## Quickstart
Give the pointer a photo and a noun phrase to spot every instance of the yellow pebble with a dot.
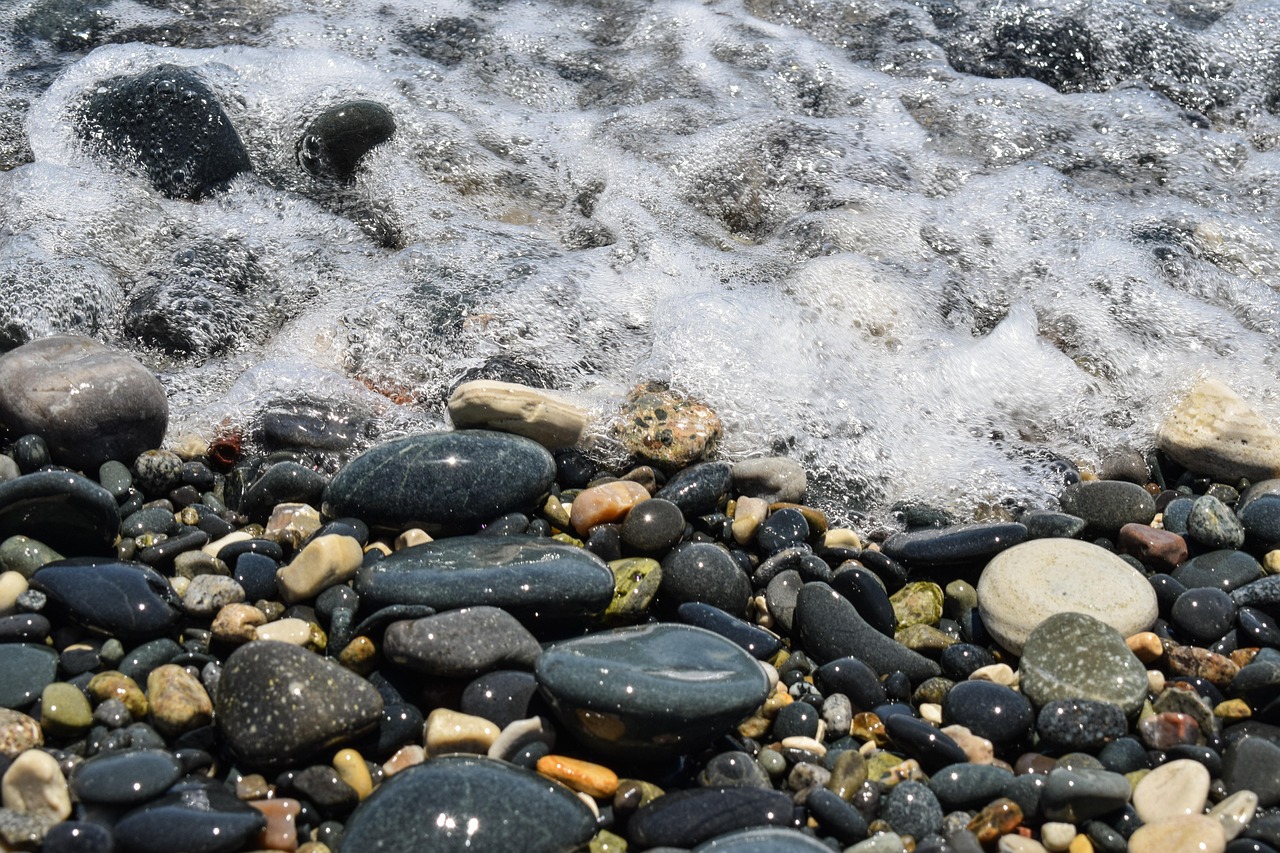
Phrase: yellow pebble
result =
(1233, 709)
(1146, 646)
(594, 779)
(1080, 844)
(352, 770)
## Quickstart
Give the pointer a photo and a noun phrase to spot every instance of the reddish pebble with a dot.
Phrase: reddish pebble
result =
(605, 503)
(282, 828)
(1160, 549)
(1169, 729)
(1001, 817)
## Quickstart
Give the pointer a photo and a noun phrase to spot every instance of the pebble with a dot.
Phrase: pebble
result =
(208, 594)
(64, 710)
(912, 809)
(665, 428)
(1187, 834)
(1073, 655)
(969, 786)
(18, 733)
(991, 711)
(650, 690)
(1249, 764)
(773, 479)
(1077, 795)
(594, 780)
(449, 732)
(1235, 812)
(121, 598)
(606, 504)
(456, 802)
(118, 409)
(1108, 505)
(1025, 585)
(923, 742)
(281, 814)
(689, 817)
(295, 632)
(1161, 549)
(456, 478)
(21, 556)
(337, 139)
(1171, 790)
(34, 785)
(25, 670)
(277, 703)
(757, 642)
(1214, 431)
(830, 628)
(322, 563)
(960, 545)
(62, 507)
(125, 778)
(704, 572)
(1213, 524)
(1080, 725)
(464, 642)
(198, 819)
(178, 701)
(868, 596)
(1204, 614)
(283, 482)
(698, 489)
(653, 526)
(546, 418)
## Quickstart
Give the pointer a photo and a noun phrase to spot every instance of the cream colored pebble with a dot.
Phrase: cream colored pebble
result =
(412, 536)
(748, 515)
(1235, 812)
(324, 562)
(12, 585)
(1056, 836)
(291, 630)
(450, 731)
(34, 785)
(997, 673)
(217, 545)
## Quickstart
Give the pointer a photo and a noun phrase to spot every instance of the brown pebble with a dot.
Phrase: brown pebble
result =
(254, 786)
(1169, 729)
(1233, 709)
(360, 655)
(595, 780)
(237, 623)
(404, 758)
(1161, 549)
(999, 818)
(282, 823)
(605, 504)
(1195, 661)
(179, 702)
(18, 733)
(1034, 762)
(117, 685)
(1146, 646)
(1244, 657)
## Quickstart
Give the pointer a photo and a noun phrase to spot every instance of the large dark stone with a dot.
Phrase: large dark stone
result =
(335, 140)
(121, 598)
(71, 514)
(830, 628)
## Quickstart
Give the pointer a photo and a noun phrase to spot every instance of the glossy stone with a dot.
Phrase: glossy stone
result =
(121, 598)
(988, 710)
(1072, 655)
(953, 546)
(969, 786)
(701, 571)
(650, 690)
(1225, 569)
(465, 803)
(458, 478)
(830, 628)
(868, 596)
(519, 573)
(912, 809)
(25, 670)
(757, 642)
(283, 482)
(1249, 764)
(336, 140)
(1080, 725)
(1204, 614)
(74, 513)
(463, 642)
(125, 778)
(854, 679)
(923, 742)
(688, 817)
(698, 489)
(1213, 524)
(1108, 505)
(653, 526)
(198, 819)
(1077, 795)
(277, 703)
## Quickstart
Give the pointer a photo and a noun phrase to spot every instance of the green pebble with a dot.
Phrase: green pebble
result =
(925, 639)
(116, 478)
(606, 842)
(112, 652)
(635, 582)
(961, 597)
(64, 710)
(22, 555)
(848, 772)
(932, 690)
(918, 603)
(879, 765)
(773, 763)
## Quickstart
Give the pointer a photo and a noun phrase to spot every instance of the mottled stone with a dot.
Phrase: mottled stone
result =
(548, 419)
(912, 809)
(1213, 524)
(178, 700)
(771, 478)
(636, 582)
(1214, 431)
(462, 642)
(207, 594)
(1073, 655)
(1029, 583)
(18, 733)
(1080, 725)
(1108, 505)
(665, 428)
(918, 603)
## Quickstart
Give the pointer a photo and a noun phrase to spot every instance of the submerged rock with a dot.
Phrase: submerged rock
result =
(336, 140)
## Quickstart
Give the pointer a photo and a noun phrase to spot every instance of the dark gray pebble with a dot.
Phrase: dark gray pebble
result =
(1213, 524)
(1225, 569)
(933, 748)
(121, 598)
(836, 817)
(780, 597)
(1204, 614)
(463, 642)
(1250, 764)
(993, 711)
(757, 642)
(912, 809)
(25, 670)
(283, 482)
(336, 140)
(962, 545)
(1108, 505)
(72, 512)
(961, 660)
(734, 770)
(1261, 521)
(830, 628)
(1080, 725)
(197, 819)
(689, 817)
(868, 597)
(784, 528)
(1263, 593)
(701, 571)
(78, 836)
(1047, 524)
(853, 678)
(653, 526)
(1077, 795)
(969, 786)
(126, 778)
(698, 489)
(501, 696)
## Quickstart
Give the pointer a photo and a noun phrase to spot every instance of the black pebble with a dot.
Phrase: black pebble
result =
(335, 140)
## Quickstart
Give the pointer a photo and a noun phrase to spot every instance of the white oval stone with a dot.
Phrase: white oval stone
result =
(325, 561)
(1235, 812)
(1187, 834)
(1026, 584)
(508, 407)
(1057, 836)
(34, 784)
(1014, 843)
(1178, 788)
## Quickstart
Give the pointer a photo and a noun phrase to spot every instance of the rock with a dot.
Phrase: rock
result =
(167, 123)
(323, 562)
(507, 407)
(489, 805)
(1213, 524)
(18, 733)
(501, 696)
(1204, 613)
(658, 689)
(278, 703)
(456, 478)
(75, 513)
(518, 573)
(1077, 795)
(594, 780)
(1188, 834)
(1160, 549)
(912, 809)
(1214, 431)
(774, 479)
(830, 628)
(464, 642)
(701, 571)
(283, 482)
(208, 594)
(451, 732)
(969, 786)
(1108, 505)
(197, 819)
(1046, 524)
(125, 778)
(1075, 656)
(923, 742)
(25, 670)
(757, 642)
(33, 784)
(962, 545)
(689, 817)
(1226, 569)
(653, 526)
(867, 594)
(918, 603)
(64, 710)
(336, 140)
(178, 701)
(1171, 790)
(607, 503)
(698, 489)
(778, 840)
(1080, 725)
(665, 428)
(992, 711)
(636, 582)
(186, 314)
(1249, 764)
(1028, 583)
(121, 598)
(118, 407)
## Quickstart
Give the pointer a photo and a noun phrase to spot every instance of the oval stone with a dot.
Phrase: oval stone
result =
(455, 803)
(198, 819)
(125, 778)
(449, 478)
(115, 596)
(519, 573)
(689, 817)
(25, 670)
(66, 512)
(1030, 582)
(653, 689)
(1073, 655)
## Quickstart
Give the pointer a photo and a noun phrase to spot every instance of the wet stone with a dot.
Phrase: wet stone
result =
(458, 478)
(1226, 569)
(121, 598)
(1077, 795)
(830, 628)
(698, 489)
(125, 778)
(867, 594)
(1160, 549)
(757, 642)
(1260, 518)
(701, 571)
(1080, 725)
(784, 528)
(283, 482)
(853, 678)
(277, 703)
(18, 733)
(923, 742)
(772, 479)
(918, 603)
(1214, 525)
(1204, 614)
(953, 546)
(734, 770)
(665, 428)
(336, 140)
(486, 804)
(64, 710)
(653, 526)
(1108, 505)
(462, 642)
(198, 819)
(1047, 524)
(652, 689)
(1075, 656)
(1249, 764)
(688, 817)
(912, 809)
(969, 786)
(992, 711)
(73, 512)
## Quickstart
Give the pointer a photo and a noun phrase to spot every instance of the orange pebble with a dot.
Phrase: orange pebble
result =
(606, 503)
(1146, 646)
(593, 779)
(282, 828)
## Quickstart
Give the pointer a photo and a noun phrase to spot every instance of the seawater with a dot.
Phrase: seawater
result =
(912, 245)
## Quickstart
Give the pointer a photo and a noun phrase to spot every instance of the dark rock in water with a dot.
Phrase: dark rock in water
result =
(925, 743)
(463, 477)
(335, 140)
(69, 512)
(698, 489)
(953, 546)
(501, 696)
(757, 642)
(830, 628)
(462, 642)
(912, 809)
(283, 482)
(650, 691)
(120, 598)
(447, 40)
(998, 713)
(853, 678)
(1226, 569)
(42, 295)
(457, 803)
(25, 670)
(701, 571)
(125, 778)
(198, 819)
(277, 703)
(520, 573)
(689, 817)
(1204, 614)
(69, 25)
(168, 123)
(311, 426)
(868, 597)
(184, 314)
(1108, 505)
(119, 409)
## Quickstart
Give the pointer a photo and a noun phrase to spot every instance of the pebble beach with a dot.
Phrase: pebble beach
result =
(467, 639)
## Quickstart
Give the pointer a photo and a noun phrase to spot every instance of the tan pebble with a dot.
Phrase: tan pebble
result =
(217, 545)
(1146, 646)
(755, 726)
(1056, 836)
(1233, 709)
(589, 802)
(180, 585)
(18, 733)
(236, 623)
(352, 770)
(1014, 843)
(314, 847)
(748, 515)
(291, 524)
(1186, 834)
(412, 536)
(515, 735)
(931, 713)
(807, 744)
(1155, 681)
(1176, 788)
(1271, 562)
(1235, 812)
(381, 547)
(1195, 661)
(34, 785)
(12, 585)
(997, 673)
(117, 685)
(324, 562)
(254, 786)
(450, 731)
(179, 702)
(291, 630)
(605, 504)
(978, 750)
(841, 537)
(881, 842)
(281, 832)
(595, 780)
(1244, 657)
(1217, 433)
(360, 655)
(189, 446)
(1080, 844)
(546, 418)
(404, 758)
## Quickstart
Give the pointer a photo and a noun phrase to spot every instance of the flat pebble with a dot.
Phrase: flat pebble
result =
(546, 418)
(1171, 790)
(991, 711)
(1080, 725)
(125, 778)
(462, 642)
(197, 819)
(33, 784)
(1073, 655)
(688, 817)
(1187, 834)
(122, 598)
(830, 628)
(1077, 795)
(1108, 505)
(1027, 584)
(953, 546)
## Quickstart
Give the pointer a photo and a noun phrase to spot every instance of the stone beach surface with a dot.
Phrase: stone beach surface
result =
(470, 640)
